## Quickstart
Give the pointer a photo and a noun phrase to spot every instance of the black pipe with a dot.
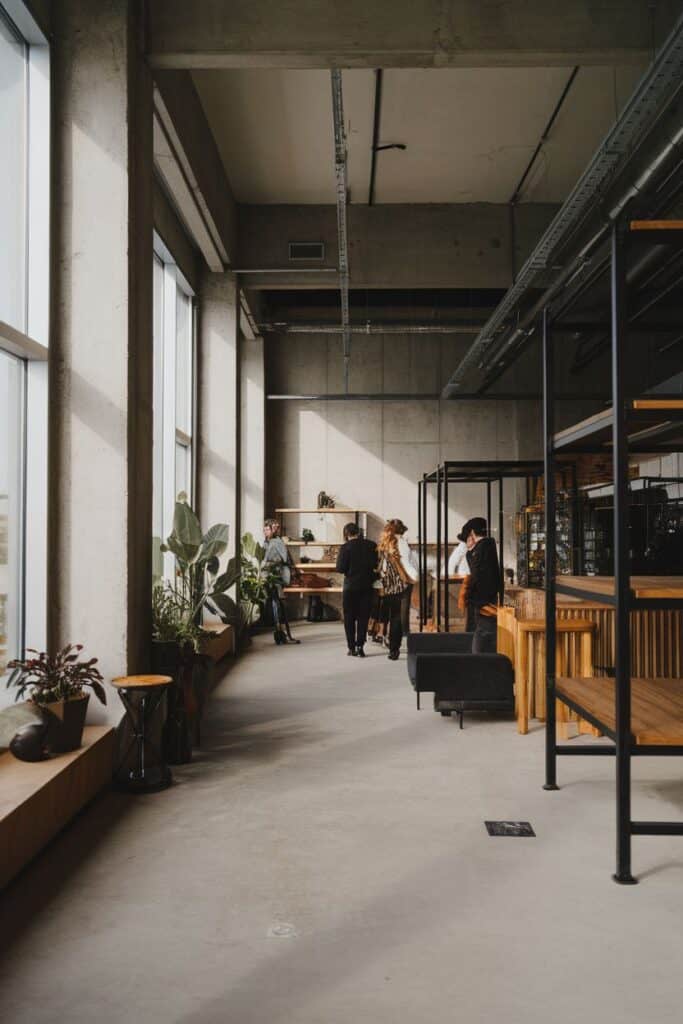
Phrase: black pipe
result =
(544, 137)
(379, 74)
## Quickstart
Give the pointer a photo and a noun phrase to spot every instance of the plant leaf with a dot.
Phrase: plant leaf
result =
(186, 527)
(215, 541)
(249, 545)
(226, 606)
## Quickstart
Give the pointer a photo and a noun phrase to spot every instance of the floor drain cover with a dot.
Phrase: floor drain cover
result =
(282, 931)
(509, 828)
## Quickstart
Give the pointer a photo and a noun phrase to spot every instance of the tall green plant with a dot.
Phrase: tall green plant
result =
(198, 582)
(257, 579)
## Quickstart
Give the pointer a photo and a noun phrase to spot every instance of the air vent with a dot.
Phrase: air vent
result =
(307, 251)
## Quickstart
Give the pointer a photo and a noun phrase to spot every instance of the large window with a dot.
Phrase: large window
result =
(11, 506)
(13, 174)
(174, 395)
(24, 318)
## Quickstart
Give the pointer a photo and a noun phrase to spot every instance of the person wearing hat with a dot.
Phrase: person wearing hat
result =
(483, 584)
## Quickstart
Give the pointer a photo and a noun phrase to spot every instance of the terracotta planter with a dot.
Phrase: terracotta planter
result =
(65, 720)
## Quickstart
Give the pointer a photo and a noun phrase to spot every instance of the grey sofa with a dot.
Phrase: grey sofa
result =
(443, 664)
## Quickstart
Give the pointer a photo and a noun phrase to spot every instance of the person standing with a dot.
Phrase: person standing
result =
(397, 578)
(483, 584)
(458, 566)
(277, 557)
(357, 561)
(409, 564)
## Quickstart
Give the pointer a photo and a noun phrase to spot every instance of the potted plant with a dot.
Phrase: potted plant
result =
(257, 579)
(58, 687)
(177, 610)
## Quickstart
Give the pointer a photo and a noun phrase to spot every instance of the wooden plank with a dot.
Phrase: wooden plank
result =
(322, 511)
(312, 590)
(37, 800)
(672, 404)
(656, 225)
(314, 543)
(321, 567)
(657, 587)
(656, 706)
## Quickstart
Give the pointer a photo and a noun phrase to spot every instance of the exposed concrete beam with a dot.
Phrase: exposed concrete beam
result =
(187, 158)
(463, 245)
(404, 33)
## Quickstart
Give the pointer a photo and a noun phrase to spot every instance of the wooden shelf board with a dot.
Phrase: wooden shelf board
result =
(656, 225)
(322, 511)
(642, 587)
(312, 590)
(314, 543)
(316, 566)
(656, 706)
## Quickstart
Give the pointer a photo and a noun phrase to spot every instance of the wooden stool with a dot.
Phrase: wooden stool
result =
(526, 654)
(142, 697)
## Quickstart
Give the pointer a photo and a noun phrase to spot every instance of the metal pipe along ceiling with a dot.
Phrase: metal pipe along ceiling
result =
(287, 328)
(661, 79)
(340, 154)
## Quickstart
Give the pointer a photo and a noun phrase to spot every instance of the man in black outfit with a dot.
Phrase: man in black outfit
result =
(484, 586)
(357, 560)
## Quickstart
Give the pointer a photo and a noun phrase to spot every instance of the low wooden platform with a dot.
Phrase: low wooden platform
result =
(37, 800)
(656, 707)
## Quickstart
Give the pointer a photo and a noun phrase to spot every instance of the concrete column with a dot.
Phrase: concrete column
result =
(100, 460)
(218, 403)
(252, 436)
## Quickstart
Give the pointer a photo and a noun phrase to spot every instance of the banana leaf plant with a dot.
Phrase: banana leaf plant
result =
(198, 582)
(257, 579)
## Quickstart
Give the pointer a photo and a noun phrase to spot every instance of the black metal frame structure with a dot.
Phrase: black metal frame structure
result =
(451, 472)
(615, 424)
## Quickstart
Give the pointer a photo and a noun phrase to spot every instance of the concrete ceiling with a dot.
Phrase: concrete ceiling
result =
(469, 132)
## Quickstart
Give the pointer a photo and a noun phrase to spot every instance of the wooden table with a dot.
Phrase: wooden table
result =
(568, 632)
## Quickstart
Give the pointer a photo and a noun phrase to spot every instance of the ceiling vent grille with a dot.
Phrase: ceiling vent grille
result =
(307, 251)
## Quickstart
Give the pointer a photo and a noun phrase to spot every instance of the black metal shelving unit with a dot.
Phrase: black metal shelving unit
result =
(492, 473)
(649, 423)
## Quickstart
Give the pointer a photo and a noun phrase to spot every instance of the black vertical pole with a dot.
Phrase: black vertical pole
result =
(425, 563)
(438, 549)
(622, 573)
(488, 505)
(549, 497)
(445, 544)
(501, 538)
(419, 550)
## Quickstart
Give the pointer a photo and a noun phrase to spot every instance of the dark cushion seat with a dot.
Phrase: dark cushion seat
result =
(442, 664)
(435, 643)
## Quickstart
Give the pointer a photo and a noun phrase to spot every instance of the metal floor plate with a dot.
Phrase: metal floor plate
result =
(509, 828)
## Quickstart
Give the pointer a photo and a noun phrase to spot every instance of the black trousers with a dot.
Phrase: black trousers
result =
(356, 606)
(485, 636)
(394, 607)
(405, 608)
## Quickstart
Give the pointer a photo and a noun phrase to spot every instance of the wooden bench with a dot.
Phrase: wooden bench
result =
(38, 799)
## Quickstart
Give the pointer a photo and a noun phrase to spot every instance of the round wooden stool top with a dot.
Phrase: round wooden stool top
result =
(140, 682)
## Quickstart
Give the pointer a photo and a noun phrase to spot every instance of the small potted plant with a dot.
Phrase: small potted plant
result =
(57, 686)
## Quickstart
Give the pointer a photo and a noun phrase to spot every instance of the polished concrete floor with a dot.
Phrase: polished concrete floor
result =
(324, 861)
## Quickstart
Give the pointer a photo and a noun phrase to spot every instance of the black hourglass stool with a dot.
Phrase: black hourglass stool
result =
(146, 770)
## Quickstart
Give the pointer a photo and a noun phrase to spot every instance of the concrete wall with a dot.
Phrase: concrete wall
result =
(100, 404)
(370, 454)
(252, 435)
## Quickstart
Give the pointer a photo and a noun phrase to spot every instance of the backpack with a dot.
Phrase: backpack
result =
(391, 576)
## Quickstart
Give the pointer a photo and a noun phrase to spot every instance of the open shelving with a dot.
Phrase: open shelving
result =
(641, 716)
(318, 567)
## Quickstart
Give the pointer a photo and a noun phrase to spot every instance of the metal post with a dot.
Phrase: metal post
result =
(438, 550)
(622, 587)
(420, 553)
(426, 546)
(549, 498)
(501, 538)
(445, 543)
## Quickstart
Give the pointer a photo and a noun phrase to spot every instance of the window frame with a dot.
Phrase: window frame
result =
(168, 434)
(30, 345)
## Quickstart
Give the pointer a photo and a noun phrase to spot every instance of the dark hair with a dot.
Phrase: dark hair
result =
(351, 530)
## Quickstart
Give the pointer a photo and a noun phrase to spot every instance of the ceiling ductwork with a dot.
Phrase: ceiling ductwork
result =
(593, 198)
